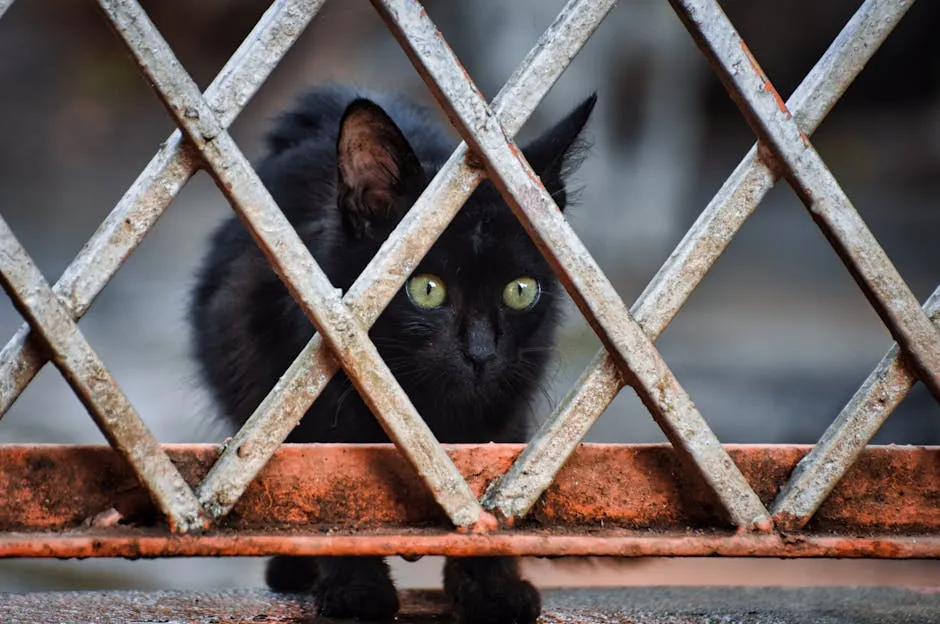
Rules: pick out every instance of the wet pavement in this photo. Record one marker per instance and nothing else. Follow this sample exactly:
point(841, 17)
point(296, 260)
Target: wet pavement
point(651, 605)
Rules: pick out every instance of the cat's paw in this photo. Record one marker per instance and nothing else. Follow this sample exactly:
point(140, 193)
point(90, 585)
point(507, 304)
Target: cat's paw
point(291, 574)
point(374, 601)
point(514, 601)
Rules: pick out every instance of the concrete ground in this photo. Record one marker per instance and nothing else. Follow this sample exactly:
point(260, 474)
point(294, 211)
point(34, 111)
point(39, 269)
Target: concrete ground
point(649, 605)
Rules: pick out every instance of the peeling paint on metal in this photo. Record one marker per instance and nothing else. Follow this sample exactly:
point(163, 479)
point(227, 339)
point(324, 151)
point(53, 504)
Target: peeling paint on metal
point(818, 189)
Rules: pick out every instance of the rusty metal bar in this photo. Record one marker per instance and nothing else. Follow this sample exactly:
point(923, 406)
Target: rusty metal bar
point(153, 191)
point(285, 405)
point(306, 489)
point(588, 286)
point(516, 492)
point(411, 544)
point(752, 179)
point(95, 386)
point(818, 473)
point(815, 185)
point(307, 283)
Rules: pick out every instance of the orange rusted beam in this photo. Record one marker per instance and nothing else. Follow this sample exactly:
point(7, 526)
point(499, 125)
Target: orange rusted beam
point(135, 543)
point(627, 500)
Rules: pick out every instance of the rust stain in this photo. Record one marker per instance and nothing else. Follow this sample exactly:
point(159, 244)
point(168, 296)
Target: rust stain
point(474, 160)
point(370, 487)
point(768, 86)
point(767, 156)
point(135, 543)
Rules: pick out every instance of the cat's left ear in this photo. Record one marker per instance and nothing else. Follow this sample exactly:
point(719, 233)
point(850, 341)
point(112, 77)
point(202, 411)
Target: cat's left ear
point(559, 151)
point(377, 168)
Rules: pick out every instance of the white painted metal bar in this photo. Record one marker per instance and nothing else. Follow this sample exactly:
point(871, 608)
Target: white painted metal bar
point(843, 442)
point(156, 187)
point(94, 385)
point(516, 492)
point(347, 338)
point(815, 185)
point(4, 5)
point(595, 296)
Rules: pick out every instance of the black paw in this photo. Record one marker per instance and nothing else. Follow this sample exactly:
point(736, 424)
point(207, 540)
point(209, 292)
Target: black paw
point(373, 601)
point(291, 574)
point(514, 601)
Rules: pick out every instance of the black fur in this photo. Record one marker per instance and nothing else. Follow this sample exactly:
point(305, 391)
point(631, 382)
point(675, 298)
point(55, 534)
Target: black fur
point(344, 168)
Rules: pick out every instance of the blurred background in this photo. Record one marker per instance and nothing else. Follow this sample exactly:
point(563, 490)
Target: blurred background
point(770, 346)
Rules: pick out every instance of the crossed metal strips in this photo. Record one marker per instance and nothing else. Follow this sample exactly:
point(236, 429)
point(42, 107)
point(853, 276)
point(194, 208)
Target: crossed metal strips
point(342, 322)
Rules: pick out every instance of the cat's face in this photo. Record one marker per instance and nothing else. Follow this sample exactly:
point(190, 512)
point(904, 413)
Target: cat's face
point(474, 322)
point(477, 315)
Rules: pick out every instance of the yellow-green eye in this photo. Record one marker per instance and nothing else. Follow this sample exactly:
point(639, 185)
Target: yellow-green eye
point(521, 293)
point(426, 291)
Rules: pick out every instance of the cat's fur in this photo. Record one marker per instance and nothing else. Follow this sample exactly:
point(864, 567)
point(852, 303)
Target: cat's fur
point(344, 168)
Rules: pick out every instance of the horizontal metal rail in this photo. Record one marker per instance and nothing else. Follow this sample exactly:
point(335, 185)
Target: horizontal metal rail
point(596, 543)
point(516, 492)
point(609, 499)
point(156, 187)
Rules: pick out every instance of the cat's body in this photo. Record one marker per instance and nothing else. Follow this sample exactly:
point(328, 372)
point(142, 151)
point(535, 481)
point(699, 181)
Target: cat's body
point(468, 337)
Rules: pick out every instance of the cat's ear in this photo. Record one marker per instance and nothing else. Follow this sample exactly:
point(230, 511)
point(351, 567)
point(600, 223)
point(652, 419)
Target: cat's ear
point(376, 167)
point(559, 150)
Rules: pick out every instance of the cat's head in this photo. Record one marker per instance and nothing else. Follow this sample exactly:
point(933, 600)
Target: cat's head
point(475, 321)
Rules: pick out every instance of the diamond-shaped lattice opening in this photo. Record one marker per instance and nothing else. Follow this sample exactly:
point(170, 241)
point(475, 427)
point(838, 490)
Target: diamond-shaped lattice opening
point(340, 45)
point(819, 190)
point(48, 412)
point(771, 339)
point(138, 323)
point(894, 199)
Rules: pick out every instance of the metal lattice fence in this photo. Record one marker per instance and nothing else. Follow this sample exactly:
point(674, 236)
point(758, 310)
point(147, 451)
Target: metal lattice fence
point(768, 495)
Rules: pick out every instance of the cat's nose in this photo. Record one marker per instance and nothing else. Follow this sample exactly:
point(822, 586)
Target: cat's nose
point(480, 354)
point(481, 343)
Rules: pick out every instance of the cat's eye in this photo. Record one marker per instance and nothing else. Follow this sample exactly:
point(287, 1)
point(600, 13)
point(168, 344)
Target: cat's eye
point(521, 293)
point(427, 291)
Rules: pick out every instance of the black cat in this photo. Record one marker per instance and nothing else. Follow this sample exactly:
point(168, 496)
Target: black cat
point(468, 337)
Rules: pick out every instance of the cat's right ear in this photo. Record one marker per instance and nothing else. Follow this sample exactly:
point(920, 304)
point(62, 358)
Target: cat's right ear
point(559, 151)
point(376, 167)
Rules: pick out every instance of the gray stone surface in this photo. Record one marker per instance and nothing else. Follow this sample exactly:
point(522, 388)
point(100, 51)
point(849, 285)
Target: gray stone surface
point(654, 605)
